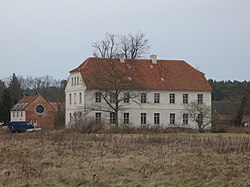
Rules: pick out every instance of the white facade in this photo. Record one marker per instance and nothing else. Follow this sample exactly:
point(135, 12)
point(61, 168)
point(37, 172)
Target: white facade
point(74, 96)
point(164, 110)
point(17, 115)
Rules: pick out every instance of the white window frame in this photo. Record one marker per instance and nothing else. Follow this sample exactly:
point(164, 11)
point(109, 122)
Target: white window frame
point(185, 98)
point(172, 98)
point(143, 118)
point(156, 97)
point(126, 118)
point(172, 118)
point(157, 118)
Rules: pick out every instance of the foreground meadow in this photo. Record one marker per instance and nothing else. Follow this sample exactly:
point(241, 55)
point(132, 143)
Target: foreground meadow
point(60, 158)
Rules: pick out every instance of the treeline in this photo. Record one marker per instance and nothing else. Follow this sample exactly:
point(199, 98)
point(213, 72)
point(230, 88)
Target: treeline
point(15, 87)
point(229, 90)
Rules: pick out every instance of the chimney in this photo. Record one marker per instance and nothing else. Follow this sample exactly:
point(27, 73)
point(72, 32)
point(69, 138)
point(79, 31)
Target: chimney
point(154, 59)
point(122, 58)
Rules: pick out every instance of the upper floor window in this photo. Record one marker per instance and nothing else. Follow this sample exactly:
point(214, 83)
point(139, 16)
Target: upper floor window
point(157, 98)
point(185, 98)
point(172, 118)
point(77, 80)
point(200, 98)
point(72, 81)
point(185, 119)
point(112, 118)
point(172, 98)
point(143, 98)
point(112, 98)
point(156, 118)
point(98, 97)
point(126, 118)
point(126, 97)
point(143, 118)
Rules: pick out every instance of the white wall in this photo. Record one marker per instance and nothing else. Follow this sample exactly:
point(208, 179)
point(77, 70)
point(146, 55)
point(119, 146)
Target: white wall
point(74, 87)
point(17, 115)
point(164, 107)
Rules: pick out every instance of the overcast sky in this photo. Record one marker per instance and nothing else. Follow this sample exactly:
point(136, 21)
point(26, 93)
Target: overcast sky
point(51, 37)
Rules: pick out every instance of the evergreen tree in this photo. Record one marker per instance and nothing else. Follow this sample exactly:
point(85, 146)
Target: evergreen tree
point(5, 106)
point(14, 89)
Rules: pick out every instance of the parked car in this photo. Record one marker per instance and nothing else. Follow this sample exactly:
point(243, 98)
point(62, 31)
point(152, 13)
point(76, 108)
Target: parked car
point(22, 126)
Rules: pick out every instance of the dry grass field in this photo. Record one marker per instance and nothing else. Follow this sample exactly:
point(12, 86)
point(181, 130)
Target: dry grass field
point(60, 158)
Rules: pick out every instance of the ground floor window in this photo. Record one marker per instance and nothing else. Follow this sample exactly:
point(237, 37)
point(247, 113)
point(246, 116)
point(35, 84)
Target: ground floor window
point(112, 118)
point(143, 118)
point(156, 118)
point(172, 118)
point(98, 116)
point(185, 119)
point(126, 118)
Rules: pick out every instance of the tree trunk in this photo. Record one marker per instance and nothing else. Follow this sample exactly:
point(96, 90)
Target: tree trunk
point(116, 120)
point(239, 117)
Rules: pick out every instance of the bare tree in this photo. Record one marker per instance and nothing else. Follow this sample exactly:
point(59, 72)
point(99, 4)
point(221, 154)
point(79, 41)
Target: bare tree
point(131, 46)
point(200, 114)
point(106, 48)
point(116, 87)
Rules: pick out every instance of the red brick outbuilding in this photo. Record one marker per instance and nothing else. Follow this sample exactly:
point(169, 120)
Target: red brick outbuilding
point(35, 109)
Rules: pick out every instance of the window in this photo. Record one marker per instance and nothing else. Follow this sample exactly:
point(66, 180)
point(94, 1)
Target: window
point(156, 98)
point(39, 109)
point(77, 80)
point(74, 98)
point(143, 98)
point(70, 99)
point(172, 98)
point(98, 97)
point(200, 98)
point(143, 118)
point(185, 119)
point(156, 118)
point(13, 113)
point(17, 114)
point(112, 98)
point(72, 81)
point(185, 98)
point(172, 118)
point(80, 98)
point(21, 113)
point(112, 118)
point(126, 118)
point(98, 116)
point(126, 97)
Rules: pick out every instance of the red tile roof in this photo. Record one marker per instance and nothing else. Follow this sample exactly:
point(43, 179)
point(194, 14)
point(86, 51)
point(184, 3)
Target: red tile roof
point(165, 75)
point(24, 102)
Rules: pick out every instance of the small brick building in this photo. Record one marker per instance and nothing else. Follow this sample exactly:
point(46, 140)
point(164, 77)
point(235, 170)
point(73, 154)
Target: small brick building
point(35, 109)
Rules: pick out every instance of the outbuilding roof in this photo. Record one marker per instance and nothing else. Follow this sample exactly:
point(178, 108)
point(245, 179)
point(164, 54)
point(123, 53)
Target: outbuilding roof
point(162, 75)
